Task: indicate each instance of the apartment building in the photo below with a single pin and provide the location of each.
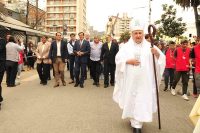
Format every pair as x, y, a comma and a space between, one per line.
66, 16
122, 25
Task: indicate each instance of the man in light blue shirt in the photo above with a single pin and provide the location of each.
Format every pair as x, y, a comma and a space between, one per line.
70, 46
95, 54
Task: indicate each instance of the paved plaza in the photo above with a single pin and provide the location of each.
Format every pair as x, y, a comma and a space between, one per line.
33, 108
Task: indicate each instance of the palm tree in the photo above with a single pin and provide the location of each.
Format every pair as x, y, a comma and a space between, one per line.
194, 4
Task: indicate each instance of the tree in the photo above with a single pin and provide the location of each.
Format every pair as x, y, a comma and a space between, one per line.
124, 36
169, 25
191, 3
29, 8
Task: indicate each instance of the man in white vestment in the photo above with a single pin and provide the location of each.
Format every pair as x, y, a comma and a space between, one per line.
135, 89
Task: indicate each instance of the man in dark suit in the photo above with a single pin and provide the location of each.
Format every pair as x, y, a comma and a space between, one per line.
58, 54
81, 51
108, 53
2, 64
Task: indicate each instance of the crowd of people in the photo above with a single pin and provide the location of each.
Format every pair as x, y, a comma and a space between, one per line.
98, 57
80, 55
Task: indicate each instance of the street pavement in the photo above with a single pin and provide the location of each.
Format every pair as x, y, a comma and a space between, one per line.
34, 108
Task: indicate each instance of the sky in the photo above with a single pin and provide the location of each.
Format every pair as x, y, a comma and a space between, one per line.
98, 11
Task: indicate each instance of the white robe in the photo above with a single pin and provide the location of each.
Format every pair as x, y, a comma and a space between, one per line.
135, 90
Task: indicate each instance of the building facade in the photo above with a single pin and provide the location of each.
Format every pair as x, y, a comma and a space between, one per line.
17, 9
122, 25
66, 16
36, 18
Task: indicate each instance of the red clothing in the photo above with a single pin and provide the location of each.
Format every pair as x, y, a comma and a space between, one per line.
197, 58
182, 59
170, 60
21, 57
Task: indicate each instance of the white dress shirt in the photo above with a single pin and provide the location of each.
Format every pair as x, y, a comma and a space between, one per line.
58, 48
70, 47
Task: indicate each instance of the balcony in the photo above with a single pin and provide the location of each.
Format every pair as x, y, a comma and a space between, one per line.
61, 4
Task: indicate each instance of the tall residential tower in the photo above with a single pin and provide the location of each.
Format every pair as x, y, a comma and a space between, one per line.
66, 16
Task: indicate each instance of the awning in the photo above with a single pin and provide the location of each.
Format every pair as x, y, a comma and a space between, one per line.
28, 31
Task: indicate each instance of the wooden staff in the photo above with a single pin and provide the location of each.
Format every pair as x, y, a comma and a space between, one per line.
151, 35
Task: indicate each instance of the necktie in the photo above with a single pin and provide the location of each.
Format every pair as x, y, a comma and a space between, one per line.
109, 45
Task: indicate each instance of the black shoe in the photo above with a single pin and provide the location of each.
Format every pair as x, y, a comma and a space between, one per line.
97, 84
165, 89
40, 82
72, 81
56, 85
81, 85
112, 84
11, 85
76, 85
44, 83
137, 130
0, 106
94, 83
105, 86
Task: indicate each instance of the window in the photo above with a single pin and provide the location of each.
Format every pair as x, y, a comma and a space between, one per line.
9, 1
51, 29
9, 13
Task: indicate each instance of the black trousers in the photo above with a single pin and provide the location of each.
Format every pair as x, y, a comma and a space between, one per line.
95, 70
30, 61
48, 71
109, 69
2, 70
169, 76
80, 67
185, 79
42, 70
71, 66
194, 83
11, 72
67, 65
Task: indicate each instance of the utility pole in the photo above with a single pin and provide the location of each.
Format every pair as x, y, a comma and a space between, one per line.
150, 11
27, 11
36, 26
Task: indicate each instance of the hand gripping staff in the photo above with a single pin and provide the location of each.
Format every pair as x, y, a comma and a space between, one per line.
152, 34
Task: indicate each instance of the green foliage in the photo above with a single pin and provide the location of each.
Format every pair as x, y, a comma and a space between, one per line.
168, 24
191, 3
124, 36
187, 3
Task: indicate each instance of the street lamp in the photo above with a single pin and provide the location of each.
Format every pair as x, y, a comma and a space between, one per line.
64, 24
54, 26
